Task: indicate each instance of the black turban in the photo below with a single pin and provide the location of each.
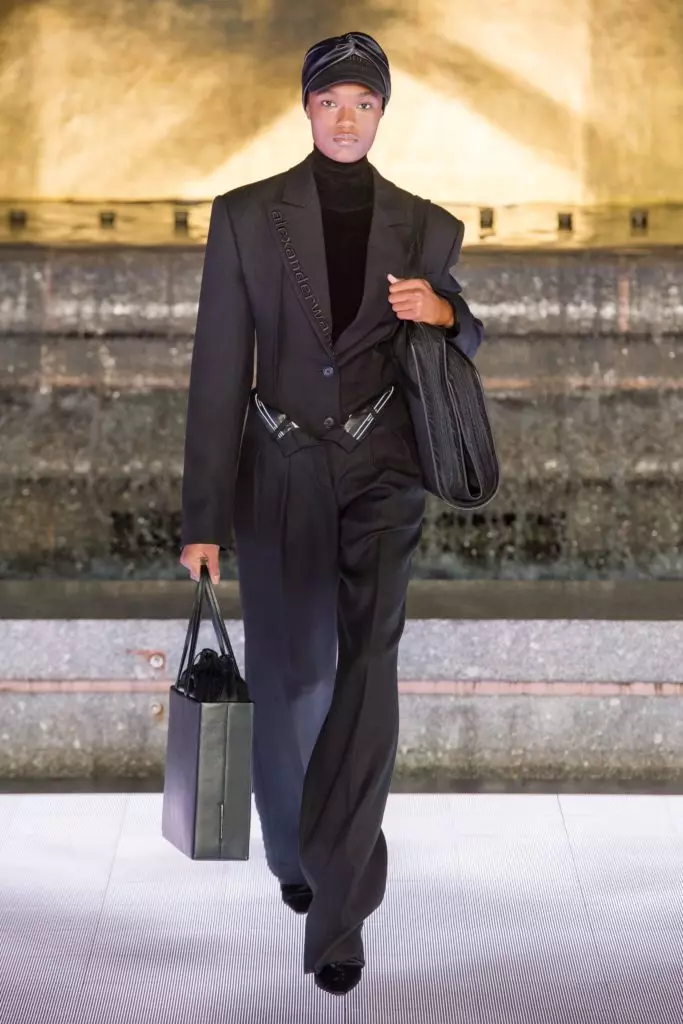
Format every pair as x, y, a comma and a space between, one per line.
355, 57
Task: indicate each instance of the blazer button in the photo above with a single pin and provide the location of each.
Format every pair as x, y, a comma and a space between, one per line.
328, 371
328, 423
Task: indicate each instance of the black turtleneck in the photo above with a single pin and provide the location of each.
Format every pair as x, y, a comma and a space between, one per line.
346, 193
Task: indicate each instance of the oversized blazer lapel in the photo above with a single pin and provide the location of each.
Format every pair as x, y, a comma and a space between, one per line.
387, 254
297, 228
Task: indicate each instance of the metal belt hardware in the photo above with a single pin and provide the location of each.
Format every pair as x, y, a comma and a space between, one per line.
277, 422
358, 424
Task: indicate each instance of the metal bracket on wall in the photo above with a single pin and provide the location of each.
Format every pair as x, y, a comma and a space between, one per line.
177, 223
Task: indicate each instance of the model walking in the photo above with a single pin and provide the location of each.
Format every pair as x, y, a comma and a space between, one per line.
317, 470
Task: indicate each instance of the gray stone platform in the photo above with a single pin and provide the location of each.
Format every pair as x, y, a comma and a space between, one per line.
485, 695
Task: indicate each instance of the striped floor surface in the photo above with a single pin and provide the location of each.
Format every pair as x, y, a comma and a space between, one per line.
501, 909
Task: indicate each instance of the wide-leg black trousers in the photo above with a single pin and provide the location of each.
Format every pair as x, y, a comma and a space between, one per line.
324, 543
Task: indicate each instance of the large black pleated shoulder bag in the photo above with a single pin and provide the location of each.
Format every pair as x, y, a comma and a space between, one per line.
447, 405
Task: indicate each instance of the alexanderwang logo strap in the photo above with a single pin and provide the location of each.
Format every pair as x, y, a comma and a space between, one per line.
300, 279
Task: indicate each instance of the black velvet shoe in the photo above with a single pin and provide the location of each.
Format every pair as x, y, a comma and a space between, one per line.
297, 896
339, 978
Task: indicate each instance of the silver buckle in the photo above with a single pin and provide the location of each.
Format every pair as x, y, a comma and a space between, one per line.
272, 418
359, 423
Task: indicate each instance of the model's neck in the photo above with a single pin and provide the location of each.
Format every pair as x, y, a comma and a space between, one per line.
341, 186
323, 163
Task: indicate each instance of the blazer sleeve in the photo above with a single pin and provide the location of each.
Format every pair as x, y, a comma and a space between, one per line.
448, 233
220, 381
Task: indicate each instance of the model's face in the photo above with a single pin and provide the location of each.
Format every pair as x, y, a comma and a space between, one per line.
344, 120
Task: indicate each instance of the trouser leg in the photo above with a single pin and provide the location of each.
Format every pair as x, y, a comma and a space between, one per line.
286, 531
343, 850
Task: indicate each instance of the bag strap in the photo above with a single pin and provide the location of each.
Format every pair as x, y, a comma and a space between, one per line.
417, 239
413, 268
217, 618
192, 632
204, 588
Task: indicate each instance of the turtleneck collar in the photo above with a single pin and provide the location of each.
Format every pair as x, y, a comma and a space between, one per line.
343, 186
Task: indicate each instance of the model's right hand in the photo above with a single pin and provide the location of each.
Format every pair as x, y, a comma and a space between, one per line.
194, 554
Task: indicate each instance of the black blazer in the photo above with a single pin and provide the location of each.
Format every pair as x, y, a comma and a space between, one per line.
265, 293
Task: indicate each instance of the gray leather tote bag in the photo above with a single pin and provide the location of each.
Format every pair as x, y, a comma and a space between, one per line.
206, 809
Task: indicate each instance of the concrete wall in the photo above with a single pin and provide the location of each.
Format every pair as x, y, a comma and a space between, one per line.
583, 366
496, 101
511, 701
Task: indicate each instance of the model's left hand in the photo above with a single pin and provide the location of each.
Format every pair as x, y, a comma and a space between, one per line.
415, 299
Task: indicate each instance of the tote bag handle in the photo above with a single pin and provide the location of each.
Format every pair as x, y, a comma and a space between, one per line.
204, 588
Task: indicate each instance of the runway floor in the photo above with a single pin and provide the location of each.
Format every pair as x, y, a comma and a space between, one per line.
532, 909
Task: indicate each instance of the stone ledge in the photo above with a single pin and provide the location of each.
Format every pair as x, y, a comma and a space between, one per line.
620, 600
420, 688
154, 292
479, 651
511, 366
513, 739
511, 700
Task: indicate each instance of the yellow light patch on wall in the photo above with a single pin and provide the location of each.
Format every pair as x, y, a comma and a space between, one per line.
496, 101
